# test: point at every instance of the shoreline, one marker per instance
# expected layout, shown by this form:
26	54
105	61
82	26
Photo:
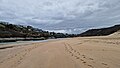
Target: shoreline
19	39
6	45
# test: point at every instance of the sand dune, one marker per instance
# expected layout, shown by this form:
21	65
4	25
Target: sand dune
116	34
92	52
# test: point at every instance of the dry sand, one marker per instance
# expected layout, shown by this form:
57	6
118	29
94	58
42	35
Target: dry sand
92	52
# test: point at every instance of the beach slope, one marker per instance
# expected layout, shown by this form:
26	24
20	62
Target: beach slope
87	52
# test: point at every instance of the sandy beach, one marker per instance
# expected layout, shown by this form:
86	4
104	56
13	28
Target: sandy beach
87	52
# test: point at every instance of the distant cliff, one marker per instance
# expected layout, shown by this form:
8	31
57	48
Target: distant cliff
101	31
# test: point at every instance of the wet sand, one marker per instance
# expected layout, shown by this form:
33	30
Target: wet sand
87	52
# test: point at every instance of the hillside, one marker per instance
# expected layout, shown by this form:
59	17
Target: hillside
12	31
101	31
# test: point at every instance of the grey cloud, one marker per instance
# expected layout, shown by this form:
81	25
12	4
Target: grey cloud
61	15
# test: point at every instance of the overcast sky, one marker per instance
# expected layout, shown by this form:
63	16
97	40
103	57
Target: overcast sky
71	16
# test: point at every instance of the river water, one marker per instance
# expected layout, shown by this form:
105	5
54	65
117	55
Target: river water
25	42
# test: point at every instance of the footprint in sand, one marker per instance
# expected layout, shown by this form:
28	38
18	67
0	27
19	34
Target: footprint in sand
84	62
1	62
21	58
81	59
78	53
25	49
91	58
84	57
74	50
15	54
70	52
105	65
90	66
77	58
71	48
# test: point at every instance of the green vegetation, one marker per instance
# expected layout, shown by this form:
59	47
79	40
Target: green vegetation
12	31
